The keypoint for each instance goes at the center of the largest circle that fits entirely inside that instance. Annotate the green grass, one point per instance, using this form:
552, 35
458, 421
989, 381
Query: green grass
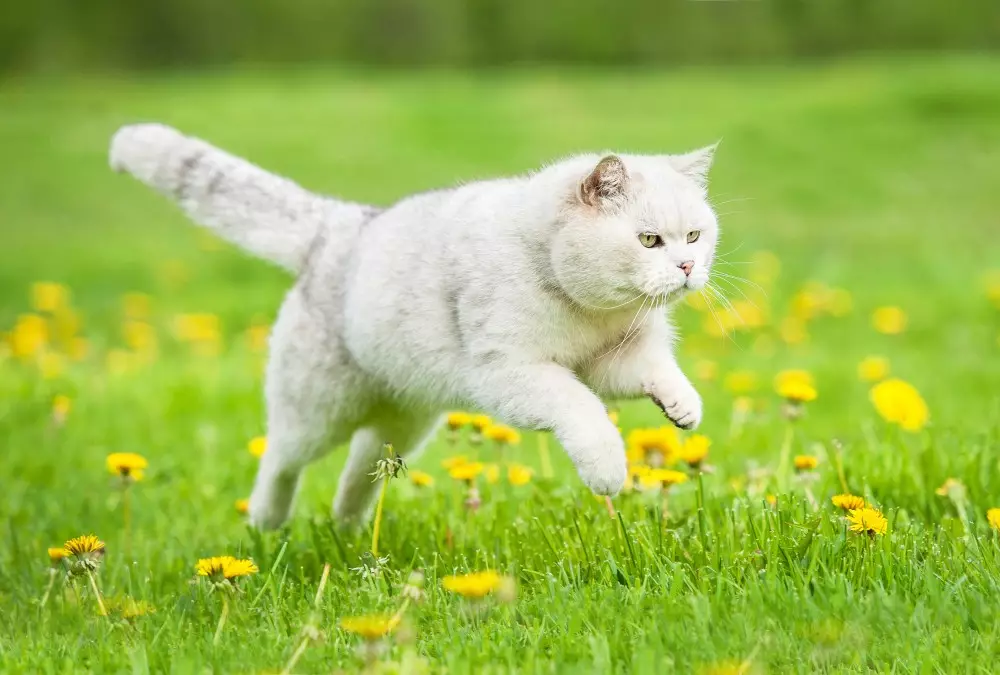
876, 177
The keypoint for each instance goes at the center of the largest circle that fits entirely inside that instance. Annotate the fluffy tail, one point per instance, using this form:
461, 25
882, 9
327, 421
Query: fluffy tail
267, 215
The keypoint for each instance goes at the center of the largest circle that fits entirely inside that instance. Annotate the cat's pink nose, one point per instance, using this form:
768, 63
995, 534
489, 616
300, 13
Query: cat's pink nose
687, 266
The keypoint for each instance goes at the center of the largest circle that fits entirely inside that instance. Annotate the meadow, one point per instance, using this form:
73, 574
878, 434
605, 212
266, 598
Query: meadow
859, 207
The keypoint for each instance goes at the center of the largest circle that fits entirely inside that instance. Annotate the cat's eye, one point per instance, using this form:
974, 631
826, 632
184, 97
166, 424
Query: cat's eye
693, 236
649, 240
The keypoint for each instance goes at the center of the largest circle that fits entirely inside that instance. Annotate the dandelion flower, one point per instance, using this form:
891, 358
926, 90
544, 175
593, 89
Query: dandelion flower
57, 554
663, 478
899, 402
480, 422
86, 552
467, 471
457, 460
502, 434
993, 518
421, 479
518, 474
848, 502
61, 406
805, 462
797, 376
126, 608
695, 449
796, 391
793, 330
656, 446
873, 369
867, 520
257, 446
952, 487
369, 627
772, 500
475, 585
457, 420
127, 465
492, 473
224, 568
50, 297
242, 506
889, 320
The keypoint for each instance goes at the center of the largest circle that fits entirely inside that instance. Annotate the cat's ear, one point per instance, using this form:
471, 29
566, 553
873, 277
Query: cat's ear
608, 181
695, 164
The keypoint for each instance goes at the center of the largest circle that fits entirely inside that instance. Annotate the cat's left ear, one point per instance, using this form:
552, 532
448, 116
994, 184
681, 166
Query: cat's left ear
695, 164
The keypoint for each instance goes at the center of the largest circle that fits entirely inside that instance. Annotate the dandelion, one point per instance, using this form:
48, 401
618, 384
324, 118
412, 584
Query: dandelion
873, 369
518, 474
848, 502
257, 446
502, 434
899, 402
889, 320
457, 420
61, 406
695, 450
127, 609
467, 471
128, 466
456, 460
656, 447
772, 500
805, 462
413, 589
242, 506
421, 479
993, 518
867, 520
222, 574
492, 473
49, 297
257, 335
664, 478
952, 487
475, 585
50, 365
372, 627
793, 330
797, 392
29, 336
479, 424
57, 555
387, 468
85, 555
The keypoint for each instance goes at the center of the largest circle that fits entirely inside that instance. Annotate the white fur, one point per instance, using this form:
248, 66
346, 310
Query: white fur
525, 297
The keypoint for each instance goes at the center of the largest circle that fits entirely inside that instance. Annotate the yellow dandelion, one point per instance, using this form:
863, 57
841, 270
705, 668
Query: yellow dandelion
474, 585
794, 375
518, 474
740, 382
61, 406
796, 391
772, 500
663, 478
805, 462
257, 337
848, 502
480, 422
867, 520
873, 369
695, 449
257, 446
952, 487
889, 320
421, 479
502, 434
126, 608
793, 330
900, 403
57, 554
369, 627
225, 567
993, 518
467, 471
654, 446
50, 365
457, 460
50, 297
85, 545
492, 473
242, 506
29, 336
238, 568
456, 420
127, 465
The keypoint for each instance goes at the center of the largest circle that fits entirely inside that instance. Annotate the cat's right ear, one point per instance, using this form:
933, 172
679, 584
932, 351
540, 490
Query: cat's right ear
607, 182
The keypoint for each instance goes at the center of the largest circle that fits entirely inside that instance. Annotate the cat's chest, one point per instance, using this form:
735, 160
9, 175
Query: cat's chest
576, 342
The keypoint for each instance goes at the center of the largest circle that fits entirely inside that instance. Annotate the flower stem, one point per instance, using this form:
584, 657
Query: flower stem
222, 620
97, 593
296, 655
48, 589
543, 454
377, 528
785, 457
127, 522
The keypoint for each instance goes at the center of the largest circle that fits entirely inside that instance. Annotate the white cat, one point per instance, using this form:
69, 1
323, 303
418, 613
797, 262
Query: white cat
527, 298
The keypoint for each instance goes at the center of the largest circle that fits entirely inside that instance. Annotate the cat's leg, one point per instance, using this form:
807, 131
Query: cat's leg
315, 399
406, 429
648, 368
548, 396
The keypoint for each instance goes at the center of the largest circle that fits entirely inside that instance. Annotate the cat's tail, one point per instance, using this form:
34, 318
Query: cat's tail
267, 215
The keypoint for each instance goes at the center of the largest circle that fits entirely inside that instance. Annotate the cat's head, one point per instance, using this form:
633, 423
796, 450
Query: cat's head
636, 227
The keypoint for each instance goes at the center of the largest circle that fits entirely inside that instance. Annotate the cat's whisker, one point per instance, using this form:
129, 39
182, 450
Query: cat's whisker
741, 279
735, 287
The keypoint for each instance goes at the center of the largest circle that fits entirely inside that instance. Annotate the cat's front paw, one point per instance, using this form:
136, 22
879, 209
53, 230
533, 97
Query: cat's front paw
600, 460
679, 402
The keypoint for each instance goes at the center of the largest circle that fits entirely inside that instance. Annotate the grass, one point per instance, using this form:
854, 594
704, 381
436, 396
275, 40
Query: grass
876, 177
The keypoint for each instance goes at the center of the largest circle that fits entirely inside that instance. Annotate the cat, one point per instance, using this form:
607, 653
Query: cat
529, 298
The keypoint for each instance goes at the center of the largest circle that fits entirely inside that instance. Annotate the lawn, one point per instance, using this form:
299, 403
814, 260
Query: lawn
843, 188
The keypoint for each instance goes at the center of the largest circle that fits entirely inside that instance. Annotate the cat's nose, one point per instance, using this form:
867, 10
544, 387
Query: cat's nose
687, 266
